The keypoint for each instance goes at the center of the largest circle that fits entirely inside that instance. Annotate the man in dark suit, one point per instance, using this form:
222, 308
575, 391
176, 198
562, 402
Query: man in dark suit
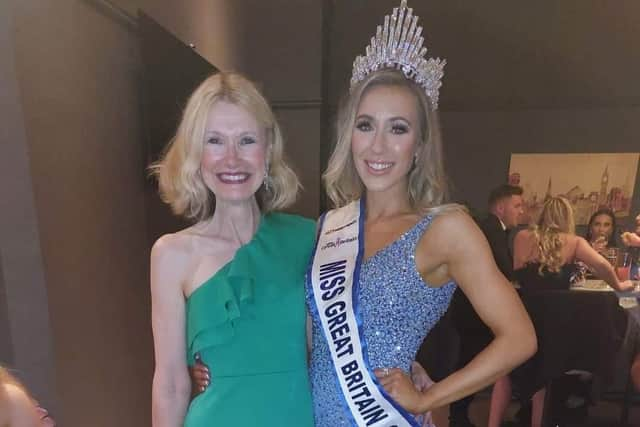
505, 210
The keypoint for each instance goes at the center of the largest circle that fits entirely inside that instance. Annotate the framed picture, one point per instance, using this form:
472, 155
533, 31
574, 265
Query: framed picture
589, 180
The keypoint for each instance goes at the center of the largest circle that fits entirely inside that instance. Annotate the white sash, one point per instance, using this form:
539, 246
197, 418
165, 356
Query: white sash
334, 276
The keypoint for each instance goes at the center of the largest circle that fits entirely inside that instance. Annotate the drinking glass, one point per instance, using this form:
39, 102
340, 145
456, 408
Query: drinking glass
611, 254
623, 265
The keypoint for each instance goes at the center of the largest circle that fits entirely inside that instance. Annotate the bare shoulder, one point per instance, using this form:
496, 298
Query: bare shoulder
453, 217
452, 224
577, 242
524, 235
576, 239
171, 256
452, 235
174, 248
450, 231
573, 241
172, 244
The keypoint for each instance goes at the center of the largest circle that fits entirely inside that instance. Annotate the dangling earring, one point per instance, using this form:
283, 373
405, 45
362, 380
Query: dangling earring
267, 178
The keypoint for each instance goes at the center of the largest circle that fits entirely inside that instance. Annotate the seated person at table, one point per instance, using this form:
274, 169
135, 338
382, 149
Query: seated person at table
600, 230
505, 212
632, 238
543, 259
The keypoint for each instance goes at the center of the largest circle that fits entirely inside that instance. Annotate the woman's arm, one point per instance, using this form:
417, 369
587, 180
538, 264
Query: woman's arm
631, 239
599, 265
171, 384
457, 249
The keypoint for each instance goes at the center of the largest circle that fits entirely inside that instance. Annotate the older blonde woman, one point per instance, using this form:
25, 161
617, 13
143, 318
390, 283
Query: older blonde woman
543, 259
229, 289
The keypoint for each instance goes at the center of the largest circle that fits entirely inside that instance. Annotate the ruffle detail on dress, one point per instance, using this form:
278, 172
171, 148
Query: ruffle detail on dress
220, 302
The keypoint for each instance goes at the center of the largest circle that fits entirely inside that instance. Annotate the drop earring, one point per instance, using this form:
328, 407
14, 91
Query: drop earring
267, 178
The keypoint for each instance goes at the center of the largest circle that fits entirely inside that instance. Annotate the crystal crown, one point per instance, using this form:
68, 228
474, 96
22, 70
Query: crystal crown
399, 44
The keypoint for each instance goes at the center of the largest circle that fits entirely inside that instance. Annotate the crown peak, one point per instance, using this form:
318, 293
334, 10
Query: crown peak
398, 44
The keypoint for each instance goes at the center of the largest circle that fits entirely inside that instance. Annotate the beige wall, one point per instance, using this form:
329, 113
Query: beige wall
211, 25
77, 73
25, 333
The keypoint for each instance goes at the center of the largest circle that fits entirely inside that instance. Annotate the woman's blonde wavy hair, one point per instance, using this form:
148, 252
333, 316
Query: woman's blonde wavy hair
427, 182
178, 171
556, 218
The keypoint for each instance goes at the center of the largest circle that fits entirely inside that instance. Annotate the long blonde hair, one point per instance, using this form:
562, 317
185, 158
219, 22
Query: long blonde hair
178, 171
556, 218
427, 186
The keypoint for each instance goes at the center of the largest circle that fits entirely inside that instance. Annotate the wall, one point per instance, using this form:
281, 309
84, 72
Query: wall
478, 145
211, 25
25, 341
77, 73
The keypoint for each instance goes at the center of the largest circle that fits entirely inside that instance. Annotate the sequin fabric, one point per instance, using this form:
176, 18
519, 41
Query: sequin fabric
397, 310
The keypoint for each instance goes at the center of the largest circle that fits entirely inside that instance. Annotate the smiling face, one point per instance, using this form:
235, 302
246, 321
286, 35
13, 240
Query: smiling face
234, 154
384, 138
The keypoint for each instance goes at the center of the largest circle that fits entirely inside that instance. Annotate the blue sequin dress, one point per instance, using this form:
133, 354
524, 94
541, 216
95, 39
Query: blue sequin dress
397, 310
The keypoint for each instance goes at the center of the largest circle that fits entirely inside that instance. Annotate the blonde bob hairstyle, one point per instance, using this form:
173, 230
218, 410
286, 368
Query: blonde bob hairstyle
178, 171
556, 218
427, 182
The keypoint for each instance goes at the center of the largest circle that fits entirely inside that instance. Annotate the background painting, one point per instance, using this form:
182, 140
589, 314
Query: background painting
589, 181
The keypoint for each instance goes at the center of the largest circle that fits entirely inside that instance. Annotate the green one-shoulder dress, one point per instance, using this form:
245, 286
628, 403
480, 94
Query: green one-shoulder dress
247, 322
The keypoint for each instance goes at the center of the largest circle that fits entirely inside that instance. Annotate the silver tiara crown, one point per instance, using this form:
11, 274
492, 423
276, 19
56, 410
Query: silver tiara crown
398, 44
